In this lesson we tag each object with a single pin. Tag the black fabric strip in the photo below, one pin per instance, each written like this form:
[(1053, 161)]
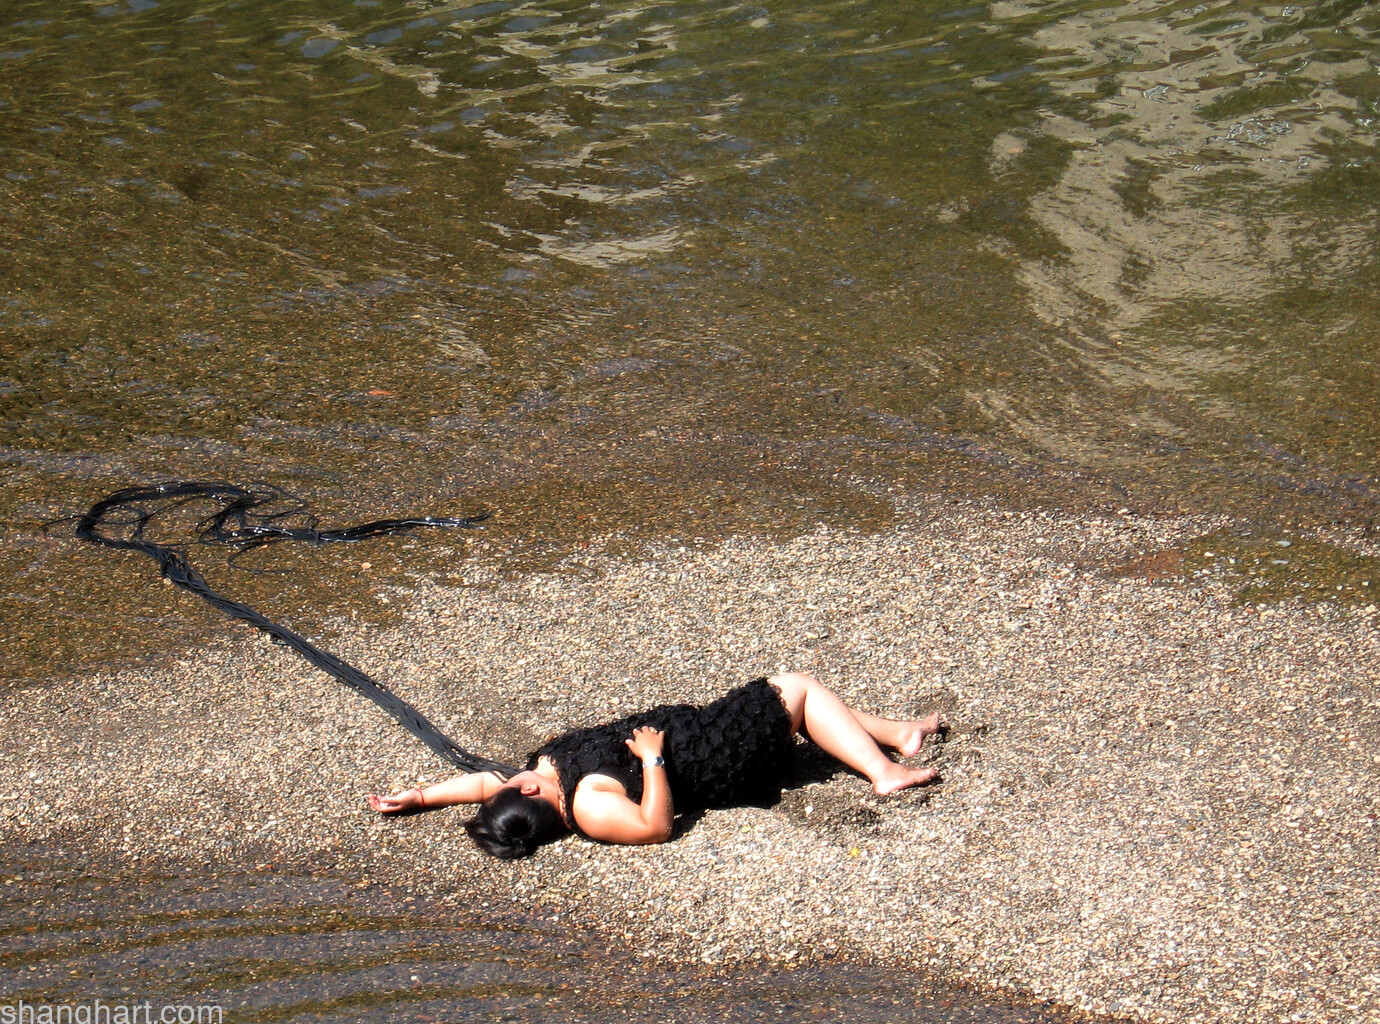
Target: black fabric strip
[(240, 526)]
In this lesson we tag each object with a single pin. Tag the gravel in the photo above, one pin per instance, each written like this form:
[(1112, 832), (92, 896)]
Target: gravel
[(1154, 804)]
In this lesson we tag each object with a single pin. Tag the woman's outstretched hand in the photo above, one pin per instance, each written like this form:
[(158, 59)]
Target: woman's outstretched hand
[(407, 800), (646, 742)]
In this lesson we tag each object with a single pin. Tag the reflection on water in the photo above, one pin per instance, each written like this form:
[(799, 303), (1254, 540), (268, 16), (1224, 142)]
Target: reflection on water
[(1189, 211), (1180, 161)]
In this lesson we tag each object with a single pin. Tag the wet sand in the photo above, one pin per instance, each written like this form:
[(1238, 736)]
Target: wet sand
[(1154, 803)]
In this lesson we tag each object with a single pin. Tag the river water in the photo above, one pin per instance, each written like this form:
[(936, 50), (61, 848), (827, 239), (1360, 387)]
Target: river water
[(680, 269), (273, 947)]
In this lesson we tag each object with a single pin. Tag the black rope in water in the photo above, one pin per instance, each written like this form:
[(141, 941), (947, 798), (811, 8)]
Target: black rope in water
[(239, 526)]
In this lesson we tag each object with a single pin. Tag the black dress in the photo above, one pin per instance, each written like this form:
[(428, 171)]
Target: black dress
[(733, 752)]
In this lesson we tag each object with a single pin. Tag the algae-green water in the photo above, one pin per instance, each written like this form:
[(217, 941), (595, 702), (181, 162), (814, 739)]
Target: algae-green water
[(674, 270)]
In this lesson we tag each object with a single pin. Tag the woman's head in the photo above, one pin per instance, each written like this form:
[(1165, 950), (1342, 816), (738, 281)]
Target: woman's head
[(511, 824)]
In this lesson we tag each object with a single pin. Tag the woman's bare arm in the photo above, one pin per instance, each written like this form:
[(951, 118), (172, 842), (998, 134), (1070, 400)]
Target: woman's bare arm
[(603, 810), (472, 788)]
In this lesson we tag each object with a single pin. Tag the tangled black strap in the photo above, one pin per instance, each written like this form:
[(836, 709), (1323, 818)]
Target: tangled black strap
[(239, 526)]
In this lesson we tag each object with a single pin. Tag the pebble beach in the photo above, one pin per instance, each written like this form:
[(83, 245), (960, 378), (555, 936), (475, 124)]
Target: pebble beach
[(1157, 803)]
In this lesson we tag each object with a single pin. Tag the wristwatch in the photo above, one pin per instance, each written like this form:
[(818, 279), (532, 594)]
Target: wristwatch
[(654, 762)]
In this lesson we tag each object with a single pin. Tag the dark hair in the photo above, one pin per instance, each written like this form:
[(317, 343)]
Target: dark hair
[(510, 825)]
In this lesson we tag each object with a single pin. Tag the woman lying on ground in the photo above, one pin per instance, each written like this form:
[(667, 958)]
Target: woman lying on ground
[(624, 782)]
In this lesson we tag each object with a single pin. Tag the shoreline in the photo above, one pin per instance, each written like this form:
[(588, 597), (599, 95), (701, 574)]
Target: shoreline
[(1155, 804)]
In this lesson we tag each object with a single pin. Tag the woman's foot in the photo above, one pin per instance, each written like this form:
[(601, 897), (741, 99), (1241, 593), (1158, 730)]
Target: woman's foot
[(903, 777), (913, 736)]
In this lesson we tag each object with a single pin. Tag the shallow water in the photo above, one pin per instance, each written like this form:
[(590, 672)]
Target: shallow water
[(672, 270), (267, 946)]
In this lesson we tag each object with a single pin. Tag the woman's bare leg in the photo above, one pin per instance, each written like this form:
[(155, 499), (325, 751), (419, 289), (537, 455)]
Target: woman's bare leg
[(837, 730), (903, 737)]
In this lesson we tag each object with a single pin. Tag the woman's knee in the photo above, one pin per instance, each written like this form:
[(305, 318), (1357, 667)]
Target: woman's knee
[(794, 686)]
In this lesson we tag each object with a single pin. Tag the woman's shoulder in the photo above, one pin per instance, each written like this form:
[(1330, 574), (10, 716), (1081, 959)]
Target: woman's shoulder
[(602, 810), (600, 782)]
